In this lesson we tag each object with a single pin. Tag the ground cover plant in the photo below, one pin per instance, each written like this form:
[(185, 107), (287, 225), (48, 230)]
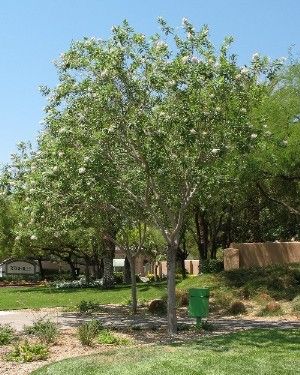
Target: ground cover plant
[(28, 352), (107, 337), (251, 352), (88, 331), (44, 329), (6, 334)]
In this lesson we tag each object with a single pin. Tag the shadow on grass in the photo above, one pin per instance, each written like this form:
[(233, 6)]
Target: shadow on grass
[(118, 288), (268, 339)]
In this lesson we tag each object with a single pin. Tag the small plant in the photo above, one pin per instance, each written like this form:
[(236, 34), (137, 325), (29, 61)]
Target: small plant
[(296, 304), (245, 292), (206, 326), (158, 307), (88, 331), (182, 298), (271, 309), (45, 330), (181, 327), (6, 334), (25, 352), (221, 300), (87, 306), (106, 337), (237, 307)]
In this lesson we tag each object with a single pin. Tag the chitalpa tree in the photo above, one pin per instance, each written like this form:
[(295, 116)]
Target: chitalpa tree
[(138, 125)]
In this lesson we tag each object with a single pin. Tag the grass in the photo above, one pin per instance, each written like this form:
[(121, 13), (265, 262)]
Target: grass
[(38, 297), (253, 352), (45, 296), (280, 282)]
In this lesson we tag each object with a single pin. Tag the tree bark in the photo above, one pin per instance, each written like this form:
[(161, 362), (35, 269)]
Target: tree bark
[(108, 267), (171, 286), (127, 271), (202, 236), (72, 267), (87, 269), (181, 256), (133, 284), (42, 273)]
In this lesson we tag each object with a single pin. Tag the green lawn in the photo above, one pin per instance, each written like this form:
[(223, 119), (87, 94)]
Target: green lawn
[(280, 282), (256, 352), (38, 297)]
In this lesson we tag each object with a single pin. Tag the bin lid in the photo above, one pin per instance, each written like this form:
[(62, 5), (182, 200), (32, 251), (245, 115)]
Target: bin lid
[(199, 292)]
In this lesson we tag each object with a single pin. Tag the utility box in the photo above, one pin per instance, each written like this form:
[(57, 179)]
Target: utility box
[(198, 303)]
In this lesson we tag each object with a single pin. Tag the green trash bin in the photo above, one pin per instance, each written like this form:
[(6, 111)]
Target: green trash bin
[(198, 303)]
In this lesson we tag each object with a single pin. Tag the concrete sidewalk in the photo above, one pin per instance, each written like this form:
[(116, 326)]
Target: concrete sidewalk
[(119, 317)]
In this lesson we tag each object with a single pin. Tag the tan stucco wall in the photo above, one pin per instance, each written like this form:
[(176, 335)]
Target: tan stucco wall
[(246, 255)]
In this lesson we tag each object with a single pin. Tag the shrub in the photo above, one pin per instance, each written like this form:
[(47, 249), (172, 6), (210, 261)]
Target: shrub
[(246, 292), (88, 331), (77, 284), (206, 326), (87, 306), (216, 265), (158, 306), (212, 266), (182, 298), (279, 281), (221, 300), (6, 334), (106, 337), (25, 352), (118, 277), (45, 330), (296, 304), (272, 308), (237, 307)]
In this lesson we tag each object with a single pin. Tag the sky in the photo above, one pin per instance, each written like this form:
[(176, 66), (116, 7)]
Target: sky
[(33, 33)]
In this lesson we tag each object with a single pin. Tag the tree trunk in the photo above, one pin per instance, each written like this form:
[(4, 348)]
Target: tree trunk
[(98, 270), (101, 269), (87, 269), (127, 271), (108, 266), (181, 256), (171, 286), (72, 267), (202, 236), (42, 273), (133, 285)]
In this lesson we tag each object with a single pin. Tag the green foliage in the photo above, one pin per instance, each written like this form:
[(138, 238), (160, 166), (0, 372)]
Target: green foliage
[(26, 352), (118, 277), (88, 306), (182, 297), (221, 298), (296, 304), (279, 281), (212, 266), (207, 326), (7, 334), (272, 308), (158, 307), (237, 307), (87, 332), (44, 329), (106, 337)]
